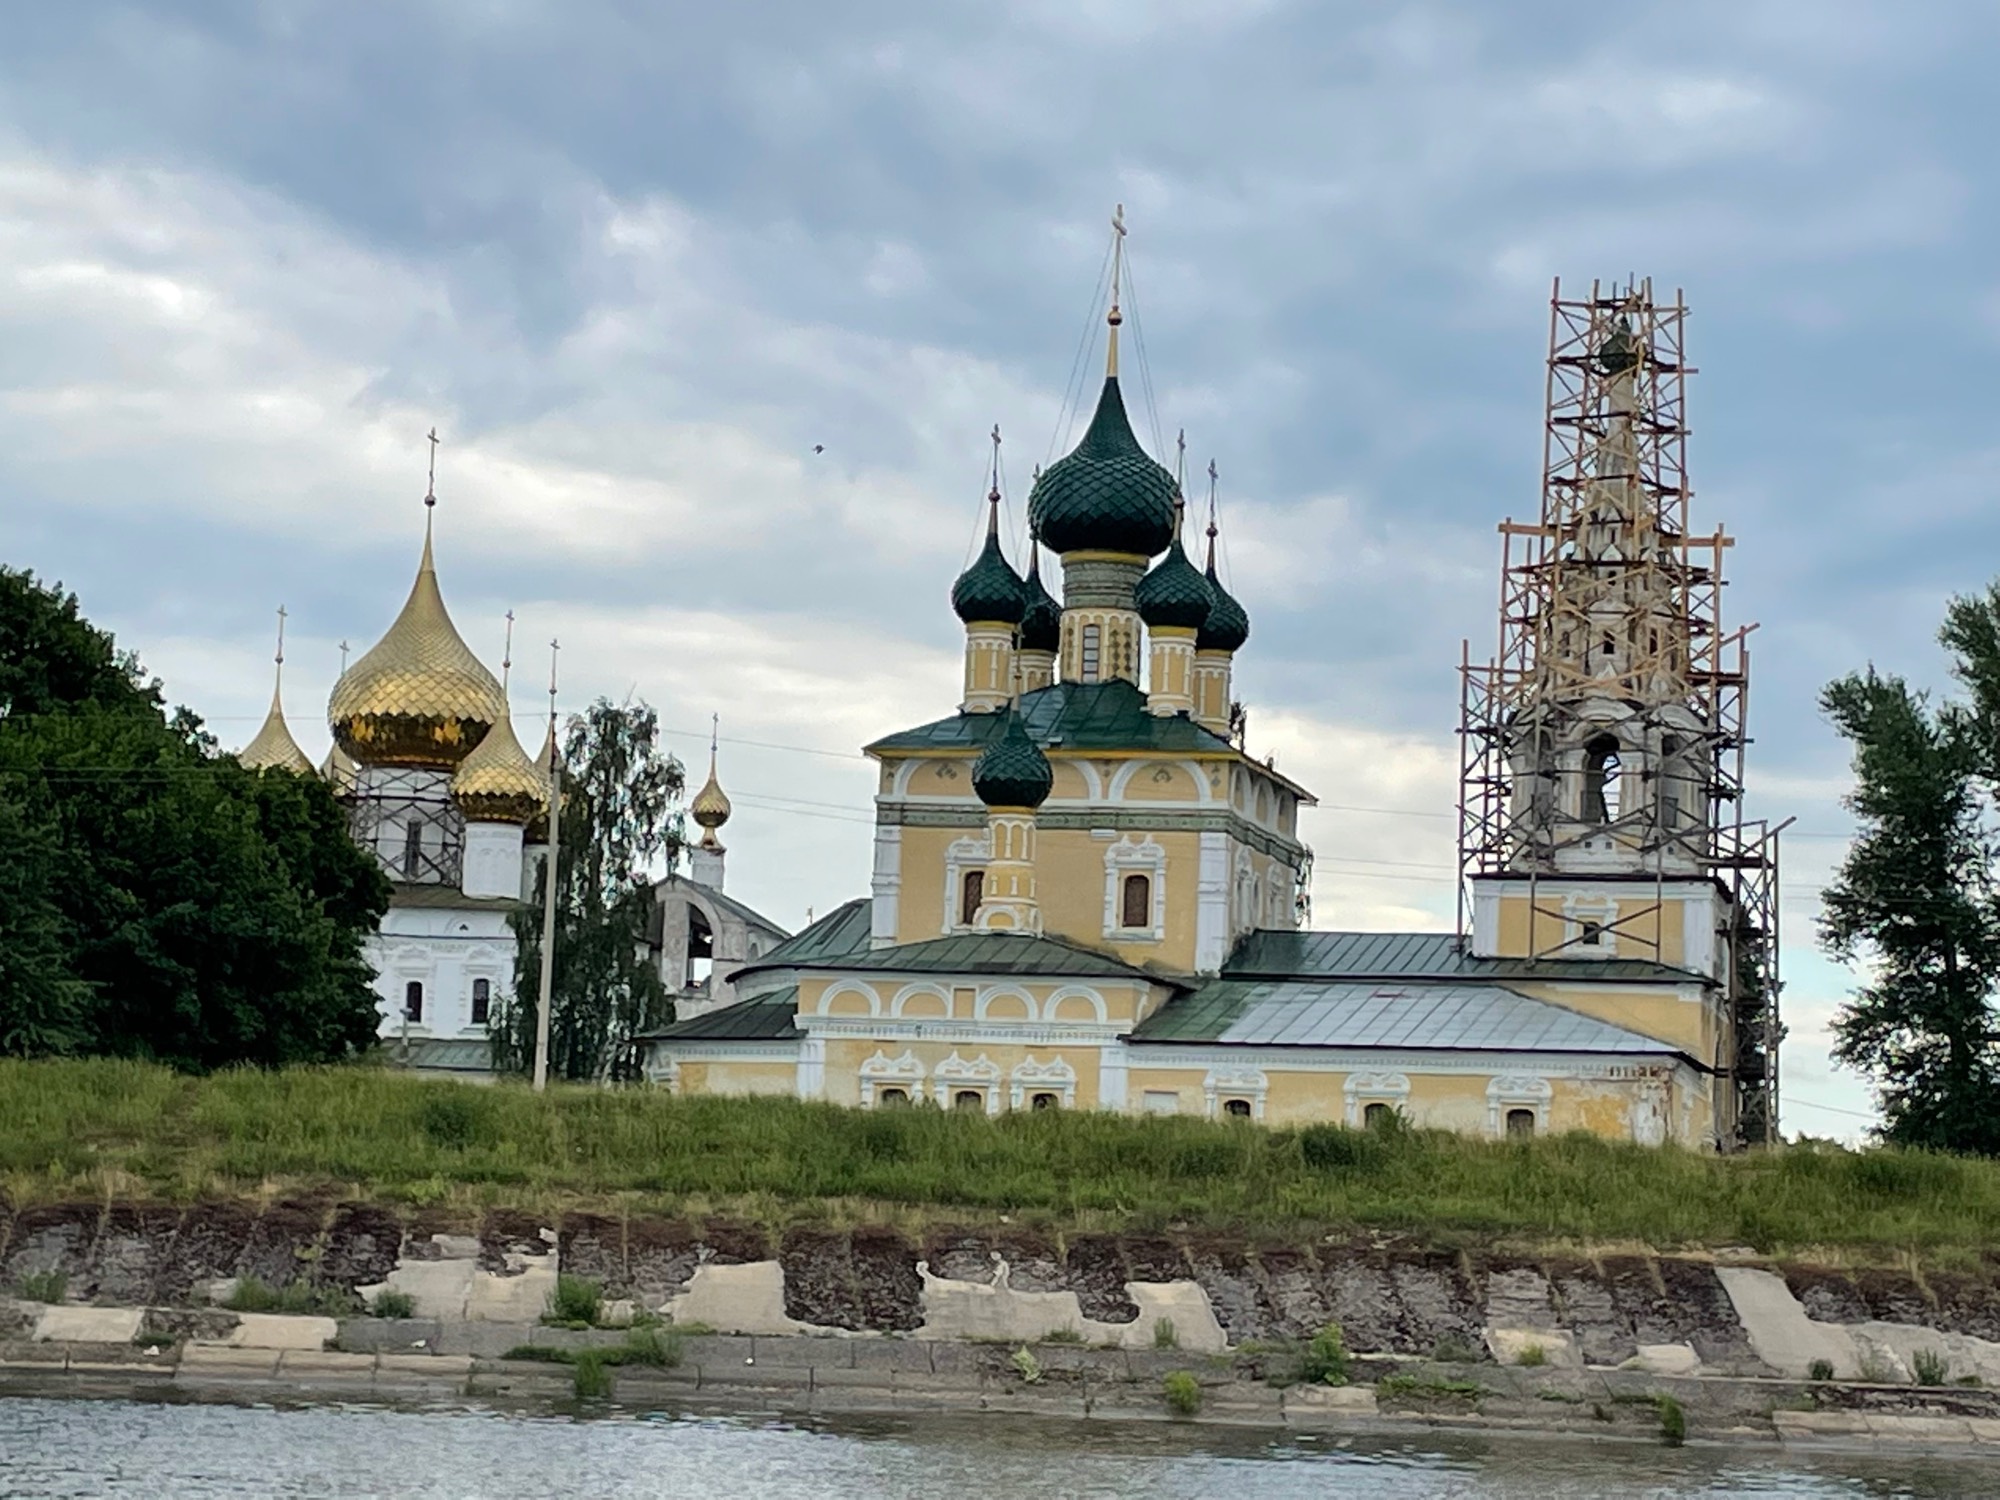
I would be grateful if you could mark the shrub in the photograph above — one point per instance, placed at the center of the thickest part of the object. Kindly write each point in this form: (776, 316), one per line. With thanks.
(1930, 1367)
(592, 1377)
(1532, 1356)
(1673, 1421)
(1325, 1360)
(393, 1304)
(576, 1301)
(299, 1298)
(1452, 1351)
(1164, 1334)
(1027, 1366)
(42, 1286)
(1820, 1369)
(1183, 1393)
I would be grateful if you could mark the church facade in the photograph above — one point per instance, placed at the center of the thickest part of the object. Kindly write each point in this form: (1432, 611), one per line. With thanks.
(1087, 891)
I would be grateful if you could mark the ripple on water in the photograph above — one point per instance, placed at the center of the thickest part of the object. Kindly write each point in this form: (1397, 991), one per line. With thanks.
(182, 1449)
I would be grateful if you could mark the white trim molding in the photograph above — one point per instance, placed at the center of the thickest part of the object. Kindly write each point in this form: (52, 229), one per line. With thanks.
(882, 1071)
(1031, 1077)
(1235, 1083)
(1364, 1089)
(961, 856)
(955, 1074)
(887, 885)
(1135, 856)
(1511, 1091)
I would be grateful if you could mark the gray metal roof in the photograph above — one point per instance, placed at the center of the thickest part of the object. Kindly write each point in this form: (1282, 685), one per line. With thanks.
(1368, 955)
(841, 931)
(1307, 1013)
(763, 1018)
(728, 903)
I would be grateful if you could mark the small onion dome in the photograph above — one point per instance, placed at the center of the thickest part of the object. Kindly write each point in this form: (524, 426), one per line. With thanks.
(710, 807)
(1227, 626)
(273, 748)
(497, 783)
(338, 771)
(538, 826)
(1175, 593)
(1106, 495)
(1012, 771)
(1041, 621)
(990, 589)
(419, 697)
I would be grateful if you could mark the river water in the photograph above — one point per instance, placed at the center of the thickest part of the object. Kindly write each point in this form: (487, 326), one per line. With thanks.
(174, 1449)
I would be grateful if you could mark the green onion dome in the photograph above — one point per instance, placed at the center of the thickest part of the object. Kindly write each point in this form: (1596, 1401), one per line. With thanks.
(1174, 593)
(1012, 771)
(1227, 626)
(990, 589)
(1041, 621)
(1106, 495)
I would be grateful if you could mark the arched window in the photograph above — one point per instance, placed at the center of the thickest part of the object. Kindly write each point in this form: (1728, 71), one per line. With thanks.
(1520, 1123)
(892, 1099)
(971, 893)
(1600, 780)
(1136, 902)
(700, 948)
(1239, 1109)
(482, 1000)
(1091, 652)
(1670, 794)
(413, 1001)
(1044, 1101)
(413, 848)
(1375, 1115)
(969, 1100)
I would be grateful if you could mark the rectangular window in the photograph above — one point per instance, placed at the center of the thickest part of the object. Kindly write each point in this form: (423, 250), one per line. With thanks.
(1138, 903)
(413, 1001)
(972, 891)
(1091, 651)
(482, 1000)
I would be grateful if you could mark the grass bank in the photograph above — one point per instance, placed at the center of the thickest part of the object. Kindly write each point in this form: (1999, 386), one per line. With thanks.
(82, 1129)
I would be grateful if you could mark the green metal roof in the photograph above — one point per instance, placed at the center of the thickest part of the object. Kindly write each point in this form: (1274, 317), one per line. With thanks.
(440, 1054)
(1228, 625)
(841, 931)
(977, 953)
(1384, 1013)
(990, 589)
(764, 1018)
(1174, 593)
(406, 896)
(1106, 492)
(1280, 954)
(1069, 716)
(1012, 771)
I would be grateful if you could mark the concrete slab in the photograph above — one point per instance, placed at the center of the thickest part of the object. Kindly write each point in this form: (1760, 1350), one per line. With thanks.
(431, 1366)
(282, 1331)
(907, 1355)
(1814, 1424)
(812, 1352)
(829, 1377)
(479, 1340)
(748, 1298)
(1350, 1400)
(215, 1361)
(516, 1298)
(437, 1288)
(1666, 1359)
(371, 1335)
(1984, 1429)
(1780, 1333)
(1902, 1429)
(1552, 1348)
(89, 1325)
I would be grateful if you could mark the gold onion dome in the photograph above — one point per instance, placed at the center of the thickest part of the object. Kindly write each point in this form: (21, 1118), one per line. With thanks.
(538, 825)
(497, 783)
(710, 807)
(273, 748)
(419, 697)
(338, 771)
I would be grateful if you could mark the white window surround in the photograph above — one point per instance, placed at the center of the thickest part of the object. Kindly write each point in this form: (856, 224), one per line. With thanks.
(1223, 1084)
(1580, 909)
(1031, 1077)
(1511, 1091)
(1130, 856)
(955, 1075)
(1160, 1101)
(1364, 1089)
(882, 1071)
(961, 856)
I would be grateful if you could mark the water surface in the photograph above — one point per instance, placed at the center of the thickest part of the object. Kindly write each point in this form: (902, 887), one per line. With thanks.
(178, 1448)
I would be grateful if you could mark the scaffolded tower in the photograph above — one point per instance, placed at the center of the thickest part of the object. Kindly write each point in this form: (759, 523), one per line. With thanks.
(1607, 736)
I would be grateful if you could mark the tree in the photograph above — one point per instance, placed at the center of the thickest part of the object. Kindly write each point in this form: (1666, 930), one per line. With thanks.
(1916, 896)
(620, 821)
(168, 903)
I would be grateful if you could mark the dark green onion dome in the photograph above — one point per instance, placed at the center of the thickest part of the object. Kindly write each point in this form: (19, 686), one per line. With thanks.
(1227, 626)
(1012, 771)
(1041, 621)
(1106, 495)
(990, 589)
(1174, 593)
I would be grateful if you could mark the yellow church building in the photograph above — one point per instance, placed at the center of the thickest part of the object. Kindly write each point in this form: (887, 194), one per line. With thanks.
(1087, 892)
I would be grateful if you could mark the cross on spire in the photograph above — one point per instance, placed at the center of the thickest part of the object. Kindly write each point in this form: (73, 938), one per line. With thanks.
(344, 649)
(507, 654)
(281, 635)
(430, 486)
(1115, 316)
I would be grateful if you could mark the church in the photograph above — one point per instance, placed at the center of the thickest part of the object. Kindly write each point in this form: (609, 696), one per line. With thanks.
(1087, 888)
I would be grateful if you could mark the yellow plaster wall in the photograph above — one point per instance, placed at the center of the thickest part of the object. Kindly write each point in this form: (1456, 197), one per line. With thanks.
(845, 1055)
(941, 998)
(1162, 781)
(1650, 929)
(1686, 1024)
(738, 1078)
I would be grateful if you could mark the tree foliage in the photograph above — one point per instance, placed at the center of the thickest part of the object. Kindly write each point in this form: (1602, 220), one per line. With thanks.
(620, 821)
(159, 900)
(1916, 896)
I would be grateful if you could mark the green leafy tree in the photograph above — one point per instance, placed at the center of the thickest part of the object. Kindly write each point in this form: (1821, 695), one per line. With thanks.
(168, 903)
(620, 823)
(1915, 896)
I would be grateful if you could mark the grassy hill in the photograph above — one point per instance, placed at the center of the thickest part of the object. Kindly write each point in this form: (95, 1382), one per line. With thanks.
(128, 1130)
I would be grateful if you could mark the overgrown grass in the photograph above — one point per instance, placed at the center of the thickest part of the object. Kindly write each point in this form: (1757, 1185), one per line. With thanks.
(655, 1348)
(42, 1286)
(1183, 1393)
(88, 1129)
(393, 1304)
(299, 1297)
(577, 1302)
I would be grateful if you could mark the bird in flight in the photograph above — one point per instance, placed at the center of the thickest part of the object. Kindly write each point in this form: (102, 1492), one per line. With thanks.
(819, 447)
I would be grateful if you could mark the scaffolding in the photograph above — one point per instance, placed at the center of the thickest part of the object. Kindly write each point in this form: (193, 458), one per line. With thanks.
(409, 822)
(1607, 735)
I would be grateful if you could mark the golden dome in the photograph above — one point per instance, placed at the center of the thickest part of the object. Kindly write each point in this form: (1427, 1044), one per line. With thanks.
(710, 807)
(338, 771)
(419, 697)
(497, 783)
(273, 748)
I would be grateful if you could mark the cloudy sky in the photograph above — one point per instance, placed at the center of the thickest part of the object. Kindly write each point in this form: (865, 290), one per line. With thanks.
(636, 261)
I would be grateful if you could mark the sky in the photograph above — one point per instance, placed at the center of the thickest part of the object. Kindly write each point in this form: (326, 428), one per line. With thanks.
(713, 308)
